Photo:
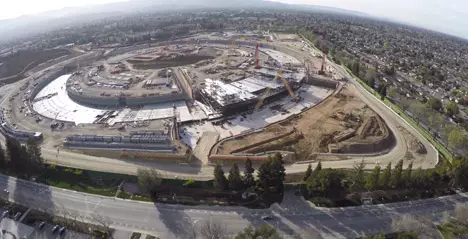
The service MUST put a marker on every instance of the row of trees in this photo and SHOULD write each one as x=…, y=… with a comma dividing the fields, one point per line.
x=270, y=176
x=211, y=229
x=20, y=160
x=332, y=182
x=429, y=114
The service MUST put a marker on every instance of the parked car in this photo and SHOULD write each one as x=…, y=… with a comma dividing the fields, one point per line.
x=266, y=218
x=41, y=225
x=62, y=230
x=17, y=216
x=55, y=228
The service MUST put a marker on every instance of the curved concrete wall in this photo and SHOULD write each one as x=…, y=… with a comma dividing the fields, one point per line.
x=113, y=101
x=46, y=79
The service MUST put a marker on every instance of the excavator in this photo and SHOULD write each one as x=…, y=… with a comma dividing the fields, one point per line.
x=279, y=74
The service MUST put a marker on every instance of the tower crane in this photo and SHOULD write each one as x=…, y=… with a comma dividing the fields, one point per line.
x=257, y=58
x=324, y=62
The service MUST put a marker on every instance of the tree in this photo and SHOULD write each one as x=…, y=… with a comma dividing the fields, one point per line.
x=392, y=92
x=452, y=109
x=405, y=104
x=355, y=68
x=18, y=157
x=434, y=103
x=308, y=173
x=460, y=179
x=420, y=179
x=372, y=182
x=327, y=182
x=456, y=139
x=318, y=167
x=104, y=222
x=415, y=227
x=436, y=122
x=248, y=179
x=386, y=176
x=34, y=156
x=357, y=178
x=149, y=180
x=262, y=232
x=461, y=214
x=271, y=175
x=213, y=229
x=397, y=174
x=369, y=78
x=220, y=180
x=383, y=91
x=408, y=172
x=419, y=111
x=3, y=160
x=234, y=178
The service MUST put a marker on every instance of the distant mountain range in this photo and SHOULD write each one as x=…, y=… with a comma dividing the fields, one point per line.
x=33, y=24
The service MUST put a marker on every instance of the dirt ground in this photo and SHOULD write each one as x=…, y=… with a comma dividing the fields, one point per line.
x=340, y=118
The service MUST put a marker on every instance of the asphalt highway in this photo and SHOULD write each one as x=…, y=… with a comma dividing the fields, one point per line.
x=293, y=217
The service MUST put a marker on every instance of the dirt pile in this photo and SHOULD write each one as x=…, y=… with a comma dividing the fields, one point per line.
x=371, y=127
x=416, y=146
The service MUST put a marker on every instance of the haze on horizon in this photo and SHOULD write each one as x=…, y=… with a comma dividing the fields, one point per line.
x=450, y=16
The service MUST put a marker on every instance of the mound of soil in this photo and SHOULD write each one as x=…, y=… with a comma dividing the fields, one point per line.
x=417, y=147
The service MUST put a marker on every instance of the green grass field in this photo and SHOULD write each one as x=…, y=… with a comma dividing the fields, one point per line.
x=452, y=230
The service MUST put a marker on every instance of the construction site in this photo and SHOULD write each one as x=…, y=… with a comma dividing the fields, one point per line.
x=341, y=124
x=209, y=97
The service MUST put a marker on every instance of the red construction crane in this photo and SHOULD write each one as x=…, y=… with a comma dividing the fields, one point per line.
x=324, y=64
x=324, y=55
x=257, y=58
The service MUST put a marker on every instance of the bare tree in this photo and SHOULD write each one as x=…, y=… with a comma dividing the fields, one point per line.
x=422, y=226
x=211, y=229
x=104, y=222
x=67, y=218
x=461, y=214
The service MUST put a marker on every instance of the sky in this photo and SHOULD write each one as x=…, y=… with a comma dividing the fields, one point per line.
x=16, y=8
x=450, y=16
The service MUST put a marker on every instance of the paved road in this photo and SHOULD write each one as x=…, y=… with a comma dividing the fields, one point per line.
x=294, y=216
x=205, y=171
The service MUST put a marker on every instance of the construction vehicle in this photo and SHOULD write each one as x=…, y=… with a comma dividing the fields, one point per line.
x=279, y=74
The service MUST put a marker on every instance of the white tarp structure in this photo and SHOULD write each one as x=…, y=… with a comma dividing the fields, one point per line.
x=61, y=107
